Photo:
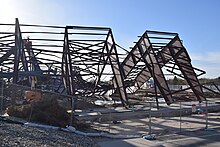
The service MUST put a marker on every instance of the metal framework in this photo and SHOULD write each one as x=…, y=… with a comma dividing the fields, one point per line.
x=78, y=64
x=154, y=51
x=79, y=60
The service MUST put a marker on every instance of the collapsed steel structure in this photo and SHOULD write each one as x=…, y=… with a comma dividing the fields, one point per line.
x=79, y=62
x=157, y=50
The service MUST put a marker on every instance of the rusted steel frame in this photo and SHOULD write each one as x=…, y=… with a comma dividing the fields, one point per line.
x=45, y=39
x=89, y=57
x=88, y=28
x=31, y=73
x=88, y=67
x=181, y=90
x=131, y=60
x=5, y=49
x=8, y=33
x=172, y=67
x=216, y=87
x=156, y=71
x=162, y=60
x=162, y=38
x=28, y=25
x=90, y=52
x=6, y=36
x=19, y=53
x=210, y=90
x=7, y=40
x=6, y=55
x=32, y=56
x=42, y=53
x=177, y=55
x=86, y=58
x=60, y=33
x=187, y=69
x=100, y=44
x=41, y=45
x=79, y=62
x=83, y=60
x=62, y=27
x=146, y=55
x=133, y=73
x=202, y=71
x=95, y=54
x=47, y=60
x=101, y=70
x=83, y=43
x=161, y=33
x=203, y=86
x=181, y=77
x=49, y=51
x=116, y=68
x=88, y=40
x=67, y=71
x=78, y=45
x=8, y=43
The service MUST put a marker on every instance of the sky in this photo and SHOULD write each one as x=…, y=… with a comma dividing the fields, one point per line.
x=196, y=21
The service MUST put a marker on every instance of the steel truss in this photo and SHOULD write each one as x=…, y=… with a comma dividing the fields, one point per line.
x=78, y=60
x=155, y=50
x=75, y=60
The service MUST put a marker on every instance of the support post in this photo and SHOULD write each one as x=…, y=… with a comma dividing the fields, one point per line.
x=110, y=119
x=155, y=86
x=73, y=101
x=2, y=96
x=150, y=120
x=180, y=117
x=206, y=115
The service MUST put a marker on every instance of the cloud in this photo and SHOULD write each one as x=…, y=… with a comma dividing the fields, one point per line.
x=210, y=57
x=210, y=62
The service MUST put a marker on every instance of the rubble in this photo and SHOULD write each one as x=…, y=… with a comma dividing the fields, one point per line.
x=46, y=111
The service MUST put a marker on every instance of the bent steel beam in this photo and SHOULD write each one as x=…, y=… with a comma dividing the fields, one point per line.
x=116, y=68
x=183, y=61
x=156, y=55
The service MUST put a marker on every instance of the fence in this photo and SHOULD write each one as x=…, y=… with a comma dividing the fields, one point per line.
x=146, y=119
x=142, y=118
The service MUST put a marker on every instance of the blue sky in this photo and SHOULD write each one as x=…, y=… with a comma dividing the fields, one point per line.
x=196, y=21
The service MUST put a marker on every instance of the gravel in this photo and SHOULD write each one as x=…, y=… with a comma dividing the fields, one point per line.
x=19, y=135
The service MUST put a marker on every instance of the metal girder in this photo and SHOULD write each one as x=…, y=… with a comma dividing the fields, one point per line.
x=156, y=72
x=90, y=57
x=19, y=53
x=163, y=57
x=67, y=70
x=32, y=56
x=183, y=61
x=143, y=50
x=7, y=55
x=116, y=68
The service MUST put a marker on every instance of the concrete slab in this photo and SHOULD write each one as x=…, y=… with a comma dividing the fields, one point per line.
x=207, y=139
x=136, y=142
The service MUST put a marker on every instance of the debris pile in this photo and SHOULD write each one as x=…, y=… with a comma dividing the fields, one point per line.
x=44, y=110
